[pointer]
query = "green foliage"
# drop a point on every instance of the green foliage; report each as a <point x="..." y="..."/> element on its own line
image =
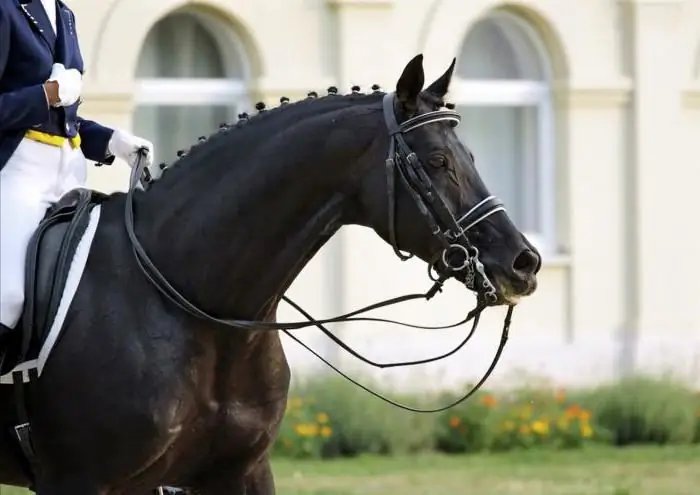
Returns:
<point x="329" y="417"/>
<point x="697" y="418"/>
<point x="644" y="410"/>
<point x="363" y="424"/>
<point x="521" y="419"/>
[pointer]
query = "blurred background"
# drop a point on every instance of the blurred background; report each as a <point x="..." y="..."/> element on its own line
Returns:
<point x="583" y="116"/>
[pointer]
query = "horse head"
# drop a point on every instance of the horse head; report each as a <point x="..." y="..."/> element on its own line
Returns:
<point x="430" y="200"/>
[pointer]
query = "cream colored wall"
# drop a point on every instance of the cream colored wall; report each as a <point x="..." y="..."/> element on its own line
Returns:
<point x="628" y="120"/>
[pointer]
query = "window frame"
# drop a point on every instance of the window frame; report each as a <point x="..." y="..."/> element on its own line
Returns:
<point x="524" y="93"/>
<point x="228" y="90"/>
<point x="189" y="91"/>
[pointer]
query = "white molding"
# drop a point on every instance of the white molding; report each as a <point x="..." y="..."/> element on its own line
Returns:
<point x="594" y="94"/>
<point x="362" y="4"/>
<point x="320" y="84"/>
<point x="497" y="92"/>
<point x="691" y="95"/>
<point x="189" y="91"/>
<point x="547" y="173"/>
<point x="555" y="260"/>
<point x="653" y="2"/>
<point x="107" y="102"/>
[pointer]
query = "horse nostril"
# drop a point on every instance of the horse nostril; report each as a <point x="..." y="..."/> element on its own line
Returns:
<point x="526" y="262"/>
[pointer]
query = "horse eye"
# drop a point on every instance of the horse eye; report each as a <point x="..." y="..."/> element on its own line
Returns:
<point x="437" y="161"/>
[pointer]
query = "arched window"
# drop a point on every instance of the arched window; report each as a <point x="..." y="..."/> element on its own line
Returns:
<point x="191" y="77"/>
<point x="502" y="90"/>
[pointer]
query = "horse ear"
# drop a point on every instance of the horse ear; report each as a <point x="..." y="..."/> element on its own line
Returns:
<point x="410" y="84"/>
<point x="440" y="87"/>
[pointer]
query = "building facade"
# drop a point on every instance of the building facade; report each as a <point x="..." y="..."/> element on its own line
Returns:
<point x="583" y="115"/>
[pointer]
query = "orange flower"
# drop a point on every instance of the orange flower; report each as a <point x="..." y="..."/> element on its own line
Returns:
<point x="560" y="396"/>
<point x="573" y="411"/>
<point x="454" y="421"/>
<point x="488" y="401"/>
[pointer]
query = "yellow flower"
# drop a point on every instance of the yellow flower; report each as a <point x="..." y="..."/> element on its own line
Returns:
<point x="586" y="430"/>
<point x="326" y="431"/>
<point x="584" y="415"/>
<point x="306" y="430"/>
<point x="526" y="412"/>
<point x="322" y="418"/>
<point x="540" y="427"/>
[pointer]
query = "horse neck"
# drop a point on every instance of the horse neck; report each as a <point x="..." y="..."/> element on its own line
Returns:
<point x="234" y="231"/>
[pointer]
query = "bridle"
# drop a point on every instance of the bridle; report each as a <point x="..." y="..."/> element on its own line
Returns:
<point x="450" y="231"/>
<point x="457" y="253"/>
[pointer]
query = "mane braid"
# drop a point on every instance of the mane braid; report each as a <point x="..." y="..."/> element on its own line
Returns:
<point x="245" y="121"/>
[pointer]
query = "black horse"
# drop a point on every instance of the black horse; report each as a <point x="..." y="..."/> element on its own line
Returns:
<point x="144" y="390"/>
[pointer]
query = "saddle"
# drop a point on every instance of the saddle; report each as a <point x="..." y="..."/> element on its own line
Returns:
<point x="51" y="250"/>
<point x="49" y="256"/>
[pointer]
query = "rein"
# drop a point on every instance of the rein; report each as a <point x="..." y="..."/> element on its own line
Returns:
<point x="457" y="255"/>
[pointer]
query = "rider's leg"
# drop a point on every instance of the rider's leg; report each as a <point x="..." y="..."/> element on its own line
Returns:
<point x="27" y="185"/>
<point x="72" y="172"/>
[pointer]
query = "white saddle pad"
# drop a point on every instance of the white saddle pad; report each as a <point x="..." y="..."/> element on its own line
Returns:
<point x="75" y="273"/>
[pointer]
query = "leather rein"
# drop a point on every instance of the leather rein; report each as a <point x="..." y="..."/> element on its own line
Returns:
<point x="457" y="254"/>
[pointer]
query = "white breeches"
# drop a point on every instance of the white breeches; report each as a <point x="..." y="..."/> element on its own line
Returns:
<point x="36" y="175"/>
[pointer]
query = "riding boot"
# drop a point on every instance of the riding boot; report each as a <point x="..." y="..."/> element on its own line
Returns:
<point x="5" y="332"/>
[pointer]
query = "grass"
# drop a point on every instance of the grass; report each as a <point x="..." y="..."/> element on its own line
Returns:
<point x="599" y="471"/>
<point x="595" y="471"/>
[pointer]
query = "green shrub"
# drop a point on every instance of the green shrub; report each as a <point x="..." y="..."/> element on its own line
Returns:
<point x="522" y="419"/>
<point x="697" y="418"/>
<point x="330" y="417"/>
<point x="362" y="423"/>
<point x="645" y="410"/>
<point x="465" y="427"/>
<point x="305" y="430"/>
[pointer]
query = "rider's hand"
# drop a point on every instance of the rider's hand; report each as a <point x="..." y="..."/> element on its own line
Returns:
<point x="126" y="146"/>
<point x="70" y="85"/>
<point x="51" y="90"/>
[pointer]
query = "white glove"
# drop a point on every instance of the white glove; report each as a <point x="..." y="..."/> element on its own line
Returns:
<point x="70" y="84"/>
<point x="126" y="146"/>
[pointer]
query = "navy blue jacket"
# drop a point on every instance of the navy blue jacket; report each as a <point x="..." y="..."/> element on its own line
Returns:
<point x="28" y="50"/>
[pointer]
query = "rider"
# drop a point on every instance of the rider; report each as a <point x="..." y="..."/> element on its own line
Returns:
<point x="43" y="142"/>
